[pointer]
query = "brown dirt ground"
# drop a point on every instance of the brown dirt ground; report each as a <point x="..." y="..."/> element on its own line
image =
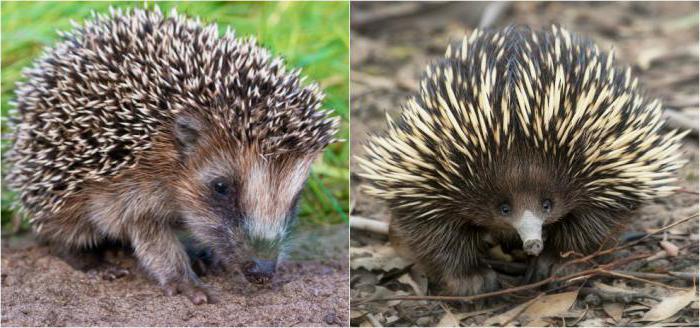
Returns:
<point x="39" y="289"/>
<point x="659" y="40"/>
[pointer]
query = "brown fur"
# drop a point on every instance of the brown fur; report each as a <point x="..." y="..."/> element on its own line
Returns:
<point x="530" y="137"/>
<point x="166" y="189"/>
<point x="215" y="135"/>
<point x="449" y="249"/>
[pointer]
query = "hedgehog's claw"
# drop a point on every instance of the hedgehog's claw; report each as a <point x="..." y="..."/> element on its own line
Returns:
<point x="197" y="293"/>
<point x="115" y="272"/>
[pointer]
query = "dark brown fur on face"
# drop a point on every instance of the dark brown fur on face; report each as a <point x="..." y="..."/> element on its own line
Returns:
<point x="450" y="248"/>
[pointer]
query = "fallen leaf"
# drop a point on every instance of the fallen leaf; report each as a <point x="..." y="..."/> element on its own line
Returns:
<point x="571" y="314"/>
<point x="383" y="292"/>
<point x="594" y="322"/>
<point x="424" y="321"/>
<point x="614" y="310"/>
<point x="636" y="308"/>
<point x="669" y="247"/>
<point x="508" y="316"/>
<point x="549" y="306"/>
<point x="373" y="321"/>
<point x="406" y="279"/>
<point x="659" y="255"/>
<point x="449" y="319"/>
<point x="376" y="257"/>
<point x="619" y="289"/>
<point x="392" y="318"/>
<point x="538" y="323"/>
<point x="670" y="305"/>
<point x="355" y="314"/>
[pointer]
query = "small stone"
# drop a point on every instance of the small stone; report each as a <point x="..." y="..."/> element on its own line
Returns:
<point x="593" y="299"/>
<point x="330" y="318"/>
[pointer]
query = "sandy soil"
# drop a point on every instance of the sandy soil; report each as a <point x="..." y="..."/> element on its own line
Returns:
<point x="39" y="289"/>
<point x="392" y="46"/>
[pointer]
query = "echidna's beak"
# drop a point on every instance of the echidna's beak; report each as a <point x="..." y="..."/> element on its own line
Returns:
<point x="529" y="228"/>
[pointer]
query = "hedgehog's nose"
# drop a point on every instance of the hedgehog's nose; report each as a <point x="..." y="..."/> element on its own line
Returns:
<point x="259" y="271"/>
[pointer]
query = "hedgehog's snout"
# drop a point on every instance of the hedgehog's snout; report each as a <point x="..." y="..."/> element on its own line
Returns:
<point x="529" y="228"/>
<point x="259" y="271"/>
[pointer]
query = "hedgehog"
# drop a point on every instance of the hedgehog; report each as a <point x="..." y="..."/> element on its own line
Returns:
<point x="517" y="137"/>
<point x="140" y="124"/>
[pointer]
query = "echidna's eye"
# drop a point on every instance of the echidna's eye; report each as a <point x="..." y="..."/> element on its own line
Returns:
<point x="505" y="209"/>
<point x="547" y="205"/>
<point x="221" y="188"/>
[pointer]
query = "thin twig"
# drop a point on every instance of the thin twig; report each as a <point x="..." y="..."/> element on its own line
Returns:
<point x="660" y="230"/>
<point x="686" y="191"/>
<point x="603" y="269"/>
<point x="681" y="121"/>
<point x="672" y="275"/>
<point x="622" y="275"/>
<point x="484" y="295"/>
<point x="373" y="320"/>
<point x="624" y="296"/>
<point x="635" y="242"/>
<point x="376" y="226"/>
<point x="492" y="13"/>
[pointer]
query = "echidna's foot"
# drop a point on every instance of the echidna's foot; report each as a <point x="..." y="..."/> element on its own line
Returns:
<point x="540" y="268"/>
<point x="195" y="292"/>
<point x="545" y="266"/>
<point x="477" y="282"/>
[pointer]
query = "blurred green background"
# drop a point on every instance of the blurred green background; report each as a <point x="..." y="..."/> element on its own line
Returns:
<point x="311" y="35"/>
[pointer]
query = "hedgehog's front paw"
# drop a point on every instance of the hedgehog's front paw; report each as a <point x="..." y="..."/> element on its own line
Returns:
<point x="115" y="272"/>
<point x="477" y="282"/>
<point x="208" y="265"/>
<point x="197" y="293"/>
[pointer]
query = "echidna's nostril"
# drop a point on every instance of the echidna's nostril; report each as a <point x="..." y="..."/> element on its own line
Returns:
<point x="259" y="271"/>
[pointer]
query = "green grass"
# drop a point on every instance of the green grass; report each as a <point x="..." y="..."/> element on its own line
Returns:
<point x="311" y="35"/>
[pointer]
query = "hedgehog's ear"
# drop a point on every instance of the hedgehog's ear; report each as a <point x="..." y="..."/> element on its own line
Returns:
<point x="187" y="130"/>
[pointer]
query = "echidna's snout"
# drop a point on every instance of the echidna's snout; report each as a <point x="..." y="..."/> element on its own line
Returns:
<point x="529" y="228"/>
<point x="259" y="271"/>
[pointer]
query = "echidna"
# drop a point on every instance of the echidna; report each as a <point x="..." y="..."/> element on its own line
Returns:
<point x="518" y="133"/>
<point x="138" y="122"/>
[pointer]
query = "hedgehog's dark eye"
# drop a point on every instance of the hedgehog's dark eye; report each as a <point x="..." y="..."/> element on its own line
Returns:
<point x="547" y="205"/>
<point x="504" y="209"/>
<point x="221" y="188"/>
